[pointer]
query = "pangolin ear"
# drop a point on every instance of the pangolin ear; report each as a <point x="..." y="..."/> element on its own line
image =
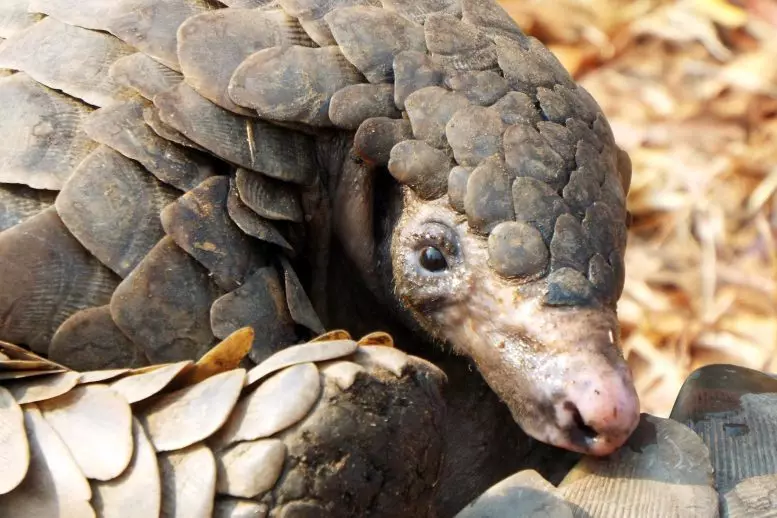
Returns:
<point x="353" y="213"/>
<point x="353" y="203"/>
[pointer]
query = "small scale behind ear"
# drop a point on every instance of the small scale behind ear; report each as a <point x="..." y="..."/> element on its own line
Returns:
<point x="376" y="136"/>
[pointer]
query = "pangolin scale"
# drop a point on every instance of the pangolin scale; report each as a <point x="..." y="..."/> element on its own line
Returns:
<point x="210" y="438"/>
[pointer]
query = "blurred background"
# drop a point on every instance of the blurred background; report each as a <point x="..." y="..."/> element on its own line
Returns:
<point x="690" y="89"/>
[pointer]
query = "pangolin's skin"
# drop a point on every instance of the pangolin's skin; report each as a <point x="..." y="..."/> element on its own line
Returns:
<point x="475" y="188"/>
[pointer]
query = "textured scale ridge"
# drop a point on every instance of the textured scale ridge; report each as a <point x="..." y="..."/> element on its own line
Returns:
<point x="52" y="141"/>
<point x="155" y="441"/>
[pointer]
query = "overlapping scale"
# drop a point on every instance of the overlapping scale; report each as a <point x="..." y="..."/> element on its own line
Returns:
<point x="170" y="456"/>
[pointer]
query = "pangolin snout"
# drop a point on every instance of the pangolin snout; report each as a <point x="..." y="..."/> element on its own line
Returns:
<point x="561" y="373"/>
<point x="596" y="412"/>
<point x="584" y="401"/>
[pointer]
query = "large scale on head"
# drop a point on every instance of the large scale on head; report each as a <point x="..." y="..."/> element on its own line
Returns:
<point x="512" y="231"/>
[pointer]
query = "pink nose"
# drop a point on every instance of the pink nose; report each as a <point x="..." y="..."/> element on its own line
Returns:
<point x="598" y="413"/>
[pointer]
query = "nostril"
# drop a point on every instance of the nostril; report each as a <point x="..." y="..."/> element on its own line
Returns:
<point x="595" y="413"/>
<point x="581" y="433"/>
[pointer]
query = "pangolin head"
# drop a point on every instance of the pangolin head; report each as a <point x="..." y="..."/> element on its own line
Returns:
<point x="511" y="242"/>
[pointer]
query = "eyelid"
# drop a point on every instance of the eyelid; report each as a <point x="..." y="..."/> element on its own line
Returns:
<point x="440" y="237"/>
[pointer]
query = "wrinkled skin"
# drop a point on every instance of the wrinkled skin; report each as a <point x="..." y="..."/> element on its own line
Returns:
<point x="558" y="368"/>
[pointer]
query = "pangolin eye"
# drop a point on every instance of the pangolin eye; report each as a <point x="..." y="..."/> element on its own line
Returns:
<point x="433" y="260"/>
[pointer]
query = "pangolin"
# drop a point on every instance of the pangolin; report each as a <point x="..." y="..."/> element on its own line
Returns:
<point x="175" y="170"/>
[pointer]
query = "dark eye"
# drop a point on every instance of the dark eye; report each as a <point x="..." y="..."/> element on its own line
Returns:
<point x="433" y="260"/>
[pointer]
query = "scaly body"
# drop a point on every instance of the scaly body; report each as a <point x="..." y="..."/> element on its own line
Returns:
<point x="242" y="159"/>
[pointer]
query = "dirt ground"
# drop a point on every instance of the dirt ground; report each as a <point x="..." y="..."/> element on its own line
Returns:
<point x="690" y="88"/>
